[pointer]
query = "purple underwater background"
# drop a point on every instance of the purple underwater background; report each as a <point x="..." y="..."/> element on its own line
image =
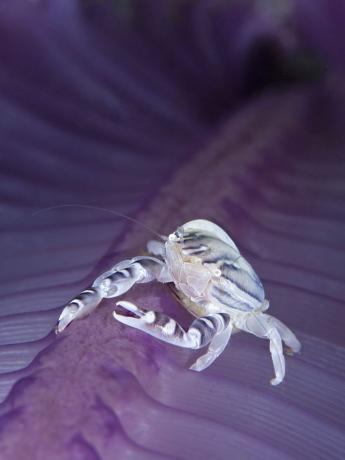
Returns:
<point x="168" y="111"/>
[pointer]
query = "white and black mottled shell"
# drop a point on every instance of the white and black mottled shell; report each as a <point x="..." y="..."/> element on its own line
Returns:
<point x="236" y="284"/>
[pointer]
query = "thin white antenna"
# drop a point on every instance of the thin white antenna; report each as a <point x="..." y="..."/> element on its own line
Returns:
<point x="86" y="206"/>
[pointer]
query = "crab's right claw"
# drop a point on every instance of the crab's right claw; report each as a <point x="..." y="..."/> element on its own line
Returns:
<point x="67" y="316"/>
<point x="79" y="307"/>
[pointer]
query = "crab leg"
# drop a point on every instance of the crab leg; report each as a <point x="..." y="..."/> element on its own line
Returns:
<point x="289" y="338"/>
<point x="265" y="326"/>
<point x="217" y="346"/>
<point x="161" y="326"/>
<point x="113" y="283"/>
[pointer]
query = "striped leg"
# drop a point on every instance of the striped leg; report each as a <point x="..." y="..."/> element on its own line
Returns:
<point x="264" y="326"/>
<point x="161" y="326"/>
<point x="217" y="346"/>
<point x="113" y="283"/>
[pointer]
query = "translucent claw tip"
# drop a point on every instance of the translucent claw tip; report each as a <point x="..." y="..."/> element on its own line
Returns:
<point x="128" y="306"/>
<point x="195" y="368"/>
<point x="60" y="327"/>
<point x="62" y="324"/>
<point x="275" y="381"/>
<point x="67" y="316"/>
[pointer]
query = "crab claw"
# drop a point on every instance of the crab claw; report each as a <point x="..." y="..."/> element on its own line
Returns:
<point x="67" y="316"/>
<point x="144" y="320"/>
<point x="137" y="321"/>
<point x="130" y="307"/>
<point x="78" y="308"/>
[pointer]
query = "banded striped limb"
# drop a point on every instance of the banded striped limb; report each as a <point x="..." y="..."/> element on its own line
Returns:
<point x="214" y="329"/>
<point x="267" y="327"/>
<point x="114" y="282"/>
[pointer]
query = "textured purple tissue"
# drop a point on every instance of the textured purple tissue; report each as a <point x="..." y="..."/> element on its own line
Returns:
<point x="143" y="107"/>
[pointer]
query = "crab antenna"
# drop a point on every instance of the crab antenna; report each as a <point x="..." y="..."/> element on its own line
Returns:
<point x="111" y="211"/>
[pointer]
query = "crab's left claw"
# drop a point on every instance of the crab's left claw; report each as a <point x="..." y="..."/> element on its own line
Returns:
<point x="153" y="323"/>
<point x="142" y="319"/>
<point x="161" y="326"/>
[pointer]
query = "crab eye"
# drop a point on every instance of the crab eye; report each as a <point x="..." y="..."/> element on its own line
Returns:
<point x="177" y="236"/>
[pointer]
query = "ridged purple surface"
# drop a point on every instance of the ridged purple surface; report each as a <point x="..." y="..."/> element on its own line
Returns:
<point x="128" y="112"/>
